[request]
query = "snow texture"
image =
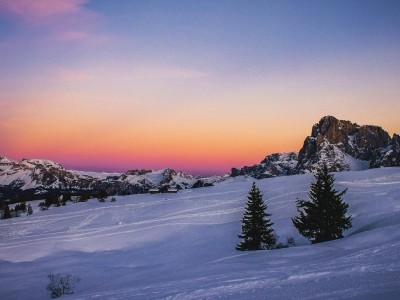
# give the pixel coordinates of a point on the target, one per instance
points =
(182, 246)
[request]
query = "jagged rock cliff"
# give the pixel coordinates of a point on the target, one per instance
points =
(390, 158)
(342, 145)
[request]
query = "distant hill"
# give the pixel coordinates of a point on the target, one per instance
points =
(36, 176)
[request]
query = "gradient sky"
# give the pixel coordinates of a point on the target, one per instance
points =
(199, 86)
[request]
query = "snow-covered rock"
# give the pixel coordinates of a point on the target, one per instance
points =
(342, 145)
(39, 176)
(277, 164)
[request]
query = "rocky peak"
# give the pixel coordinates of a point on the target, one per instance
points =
(137, 172)
(334, 130)
(4, 160)
(43, 165)
(340, 144)
(168, 176)
(343, 145)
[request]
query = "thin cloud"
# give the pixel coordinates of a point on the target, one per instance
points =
(141, 73)
(82, 36)
(10, 125)
(68, 20)
(35, 10)
(168, 73)
(69, 75)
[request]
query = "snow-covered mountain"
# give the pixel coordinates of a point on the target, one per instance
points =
(342, 145)
(346, 146)
(37, 173)
(37, 176)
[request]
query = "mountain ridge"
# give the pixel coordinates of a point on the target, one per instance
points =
(341, 144)
(39, 176)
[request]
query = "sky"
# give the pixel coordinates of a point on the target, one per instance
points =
(198, 86)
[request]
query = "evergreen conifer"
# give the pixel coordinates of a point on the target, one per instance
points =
(30, 210)
(7, 212)
(257, 232)
(323, 217)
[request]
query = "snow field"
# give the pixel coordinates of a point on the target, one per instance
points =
(181, 246)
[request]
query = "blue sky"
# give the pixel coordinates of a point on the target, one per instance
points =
(223, 82)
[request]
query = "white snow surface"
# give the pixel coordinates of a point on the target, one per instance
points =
(182, 246)
(332, 155)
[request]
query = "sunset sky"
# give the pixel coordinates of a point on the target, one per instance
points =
(198, 86)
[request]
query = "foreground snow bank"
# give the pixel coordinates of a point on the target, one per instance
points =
(181, 246)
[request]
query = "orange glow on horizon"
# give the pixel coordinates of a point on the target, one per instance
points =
(94, 85)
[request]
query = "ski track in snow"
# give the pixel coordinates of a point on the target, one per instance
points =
(181, 246)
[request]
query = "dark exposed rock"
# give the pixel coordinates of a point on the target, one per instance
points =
(167, 176)
(256, 171)
(277, 164)
(280, 164)
(137, 172)
(390, 158)
(342, 145)
(201, 183)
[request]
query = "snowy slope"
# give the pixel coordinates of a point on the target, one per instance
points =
(335, 158)
(181, 246)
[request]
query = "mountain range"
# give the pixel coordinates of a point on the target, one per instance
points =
(38, 176)
(340, 144)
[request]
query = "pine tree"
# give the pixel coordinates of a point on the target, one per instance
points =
(30, 210)
(84, 197)
(102, 195)
(323, 217)
(7, 212)
(66, 198)
(257, 232)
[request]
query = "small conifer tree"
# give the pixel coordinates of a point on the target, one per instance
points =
(84, 197)
(257, 232)
(323, 217)
(30, 210)
(7, 212)
(62, 284)
(65, 199)
(102, 195)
